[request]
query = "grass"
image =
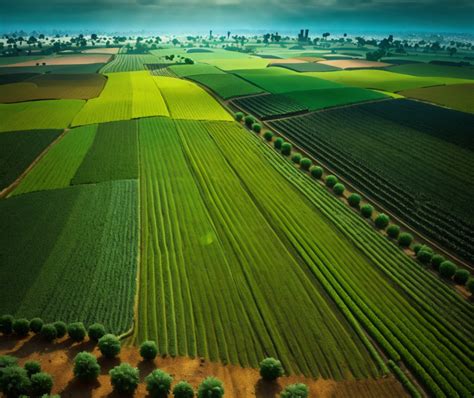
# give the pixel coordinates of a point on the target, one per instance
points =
(51, 114)
(196, 69)
(237, 63)
(59, 165)
(57, 266)
(19, 149)
(422, 70)
(227, 85)
(112, 156)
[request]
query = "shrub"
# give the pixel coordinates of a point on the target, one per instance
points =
(271, 369)
(96, 331)
(41, 383)
(296, 158)
(366, 211)
(331, 180)
(249, 120)
(124, 378)
(424, 256)
(405, 239)
(278, 143)
(148, 350)
(61, 329)
(417, 247)
(257, 127)
(86, 366)
(461, 276)
(36, 324)
(268, 135)
(305, 163)
(21, 326)
(183, 390)
(436, 261)
(76, 331)
(6, 324)
(49, 332)
(14, 381)
(7, 360)
(470, 285)
(339, 189)
(32, 367)
(158, 383)
(447, 269)
(298, 390)
(286, 148)
(109, 345)
(381, 221)
(393, 231)
(210, 387)
(239, 116)
(354, 200)
(316, 171)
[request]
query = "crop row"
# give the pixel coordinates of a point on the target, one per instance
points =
(269, 105)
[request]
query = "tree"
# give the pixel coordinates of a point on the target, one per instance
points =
(86, 367)
(124, 378)
(14, 381)
(417, 247)
(239, 116)
(470, 285)
(256, 127)
(393, 231)
(7, 361)
(158, 384)
(305, 164)
(148, 350)
(278, 143)
(436, 261)
(249, 120)
(268, 135)
(338, 189)
(6, 324)
(36, 324)
(296, 158)
(331, 180)
(76, 331)
(424, 256)
(41, 383)
(94, 36)
(405, 239)
(316, 171)
(96, 331)
(61, 329)
(298, 390)
(49, 332)
(21, 326)
(32, 367)
(109, 345)
(183, 390)
(366, 211)
(271, 369)
(381, 221)
(210, 387)
(286, 148)
(354, 200)
(447, 269)
(461, 276)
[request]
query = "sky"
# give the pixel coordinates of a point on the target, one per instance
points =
(196, 16)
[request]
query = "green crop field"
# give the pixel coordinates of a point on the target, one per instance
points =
(128, 63)
(55, 262)
(196, 69)
(306, 67)
(461, 72)
(226, 85)
(19, 149)
(237, 63)
(269, 105)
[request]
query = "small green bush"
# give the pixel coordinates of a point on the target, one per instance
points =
(316, 171)
(124, 378)
(286, 148)
(249, 120)
(405, 239)
(278, 143)
(354, 200)
(76, 331)
(109, 345)
(183, 390)
(32, 367)
(148, 350)
(6, 324)
(61, 329)
(470, 285)
(268, 135)
(36, 324)
(7, 360)
(381, 221)
(436, 261)
(417, 247)
(21, 326)
(271, 369)
(41, 383)
(339, 189)
(393, 231)
(96, 331)
(296, 158)
(331, 180)
(86, 366)
(49, 332)
(447, 269)
(298, 390)
(14, 381)
(305, 164)
(210, 387)
(424, 256)
(461, 276)
(158, 384)
(366, 211)
(239, 116)
(257, 127)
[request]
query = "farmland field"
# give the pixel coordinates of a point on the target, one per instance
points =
(270, 105)
(196, 69)
(128, 63)
(226, 85)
